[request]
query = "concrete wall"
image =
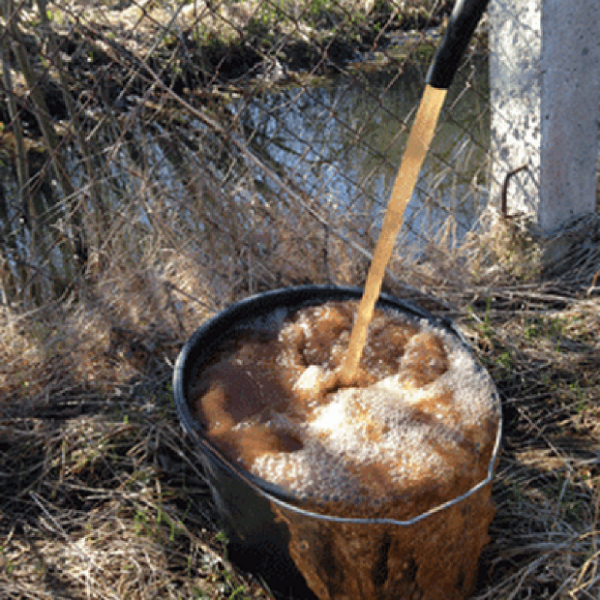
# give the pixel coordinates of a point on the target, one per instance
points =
(545, 94)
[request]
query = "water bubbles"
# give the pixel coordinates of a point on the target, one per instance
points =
(423, 411)
(311, 381)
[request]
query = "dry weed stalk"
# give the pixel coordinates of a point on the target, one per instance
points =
(106, 501)
(99, 495)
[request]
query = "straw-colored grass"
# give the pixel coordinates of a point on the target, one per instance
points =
(102, 497)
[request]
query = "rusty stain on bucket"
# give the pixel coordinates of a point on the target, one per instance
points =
(398, 552)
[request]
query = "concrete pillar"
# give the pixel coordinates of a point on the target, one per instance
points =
(545, 95)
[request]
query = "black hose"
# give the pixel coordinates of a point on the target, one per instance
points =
(462, 24)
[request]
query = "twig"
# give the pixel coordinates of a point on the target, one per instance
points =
(593, 285)
(171, 286)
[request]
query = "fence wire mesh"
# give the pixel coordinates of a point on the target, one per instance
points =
(261, 138)
(162, 159)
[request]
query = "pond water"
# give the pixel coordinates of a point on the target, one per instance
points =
(344, 141)
(339, 141)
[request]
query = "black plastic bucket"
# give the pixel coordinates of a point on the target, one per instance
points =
(299, 552)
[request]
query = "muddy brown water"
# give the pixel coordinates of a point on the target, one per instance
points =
(417, 429)
(264, 401)
(418, 144)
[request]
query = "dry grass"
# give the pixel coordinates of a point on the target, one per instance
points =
(100, 496)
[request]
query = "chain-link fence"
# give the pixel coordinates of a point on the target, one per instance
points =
(258, 140)
(160, 160)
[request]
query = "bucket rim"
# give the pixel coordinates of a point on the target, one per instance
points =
(314, 294)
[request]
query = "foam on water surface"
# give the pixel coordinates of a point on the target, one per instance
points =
(422, 416)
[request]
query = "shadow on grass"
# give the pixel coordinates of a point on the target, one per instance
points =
(101, 496)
